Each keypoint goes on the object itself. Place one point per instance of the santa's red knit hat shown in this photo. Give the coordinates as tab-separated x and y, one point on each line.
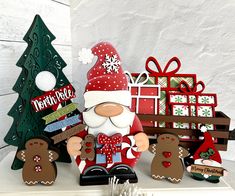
207	150
106	79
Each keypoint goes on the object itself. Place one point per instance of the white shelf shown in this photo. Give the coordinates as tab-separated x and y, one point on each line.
68	175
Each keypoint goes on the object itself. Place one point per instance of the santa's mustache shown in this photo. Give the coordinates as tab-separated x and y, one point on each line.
92	119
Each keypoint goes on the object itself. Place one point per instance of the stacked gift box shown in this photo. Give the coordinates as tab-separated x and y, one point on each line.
145	97
162	93
192	102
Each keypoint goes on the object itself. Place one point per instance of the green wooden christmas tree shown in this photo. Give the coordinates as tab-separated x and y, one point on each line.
39	56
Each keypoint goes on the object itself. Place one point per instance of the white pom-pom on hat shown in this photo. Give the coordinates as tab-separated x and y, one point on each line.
85	56
203	128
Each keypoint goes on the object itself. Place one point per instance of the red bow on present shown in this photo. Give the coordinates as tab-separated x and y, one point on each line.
109	145
159	69
185	88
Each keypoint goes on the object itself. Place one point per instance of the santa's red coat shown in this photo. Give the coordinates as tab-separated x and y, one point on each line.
134	129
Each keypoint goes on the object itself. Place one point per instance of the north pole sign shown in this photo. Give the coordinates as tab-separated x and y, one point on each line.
53	97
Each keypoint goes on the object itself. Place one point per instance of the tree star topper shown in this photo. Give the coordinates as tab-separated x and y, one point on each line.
111	63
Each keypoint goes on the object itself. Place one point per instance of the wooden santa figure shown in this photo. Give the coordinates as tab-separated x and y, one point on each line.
114	139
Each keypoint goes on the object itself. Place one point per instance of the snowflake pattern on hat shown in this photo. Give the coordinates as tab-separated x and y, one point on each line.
111	63
107	73
107	81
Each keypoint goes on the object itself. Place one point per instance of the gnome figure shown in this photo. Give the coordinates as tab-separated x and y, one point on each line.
207	161
118	137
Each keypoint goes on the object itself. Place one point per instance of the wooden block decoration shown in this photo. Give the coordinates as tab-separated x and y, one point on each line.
207	161
167	163
67	122
60	113
68	133
221	122
38	158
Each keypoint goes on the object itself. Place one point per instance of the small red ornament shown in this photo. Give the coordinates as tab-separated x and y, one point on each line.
88	144
88	150
166	154
166	164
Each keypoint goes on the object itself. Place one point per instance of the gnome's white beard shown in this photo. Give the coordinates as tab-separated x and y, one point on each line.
109	126
213	163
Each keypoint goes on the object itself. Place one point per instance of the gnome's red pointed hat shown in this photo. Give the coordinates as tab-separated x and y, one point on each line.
106	79
207	150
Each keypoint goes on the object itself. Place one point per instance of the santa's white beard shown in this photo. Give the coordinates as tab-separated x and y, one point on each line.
108	125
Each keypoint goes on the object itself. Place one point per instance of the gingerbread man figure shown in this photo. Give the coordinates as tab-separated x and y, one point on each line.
167	160
88	149
39	166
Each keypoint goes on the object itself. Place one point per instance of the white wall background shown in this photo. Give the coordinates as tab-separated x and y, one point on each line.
201	33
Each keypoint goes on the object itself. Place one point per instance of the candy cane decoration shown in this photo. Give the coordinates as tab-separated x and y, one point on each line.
131	147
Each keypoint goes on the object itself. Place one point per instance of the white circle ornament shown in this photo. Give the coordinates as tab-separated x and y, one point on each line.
45	81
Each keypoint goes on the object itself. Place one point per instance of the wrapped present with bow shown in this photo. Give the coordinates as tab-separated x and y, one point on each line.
168	79
145	97
192	102
108	149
